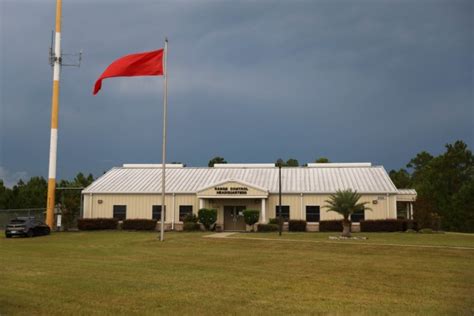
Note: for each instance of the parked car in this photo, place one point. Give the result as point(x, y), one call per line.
point(26, 226)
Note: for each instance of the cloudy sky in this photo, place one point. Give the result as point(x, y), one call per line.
point(251, 81)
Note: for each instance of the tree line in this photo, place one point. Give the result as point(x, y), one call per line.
point(32, 195)
point(445, 186)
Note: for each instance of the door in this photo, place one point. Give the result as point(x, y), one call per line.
point(234, 218)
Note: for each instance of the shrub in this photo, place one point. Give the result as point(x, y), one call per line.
point(297, 225)
point(191, 226)
point(207, 217)
point(191, 218)
point(97, 223)
point(139, 224)
point(435, 221)
point(251, 217)
point(267, 227)
point(273, 221)
point(330, 226)
point(384, 225)
point(426, 231)
point(410, 224)
point(387, 225)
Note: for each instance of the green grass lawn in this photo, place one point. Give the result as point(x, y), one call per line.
point(401, 238)
point(132, 273)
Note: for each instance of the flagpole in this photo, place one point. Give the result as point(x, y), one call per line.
point(163, 165)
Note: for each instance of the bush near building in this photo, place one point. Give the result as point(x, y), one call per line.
point(139, 224)
point(190, 223)
point(191, 218)
point(330, 226)
point(191, 227)
point(297, 225)
point(251, 217)
point(267, 227)
point(387, 225)
point(207, 217)
point(97, 223)
point(273, 221)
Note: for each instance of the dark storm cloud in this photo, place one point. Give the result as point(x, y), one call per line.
point(355, 81)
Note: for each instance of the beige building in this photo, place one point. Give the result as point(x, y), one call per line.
point(134, 191)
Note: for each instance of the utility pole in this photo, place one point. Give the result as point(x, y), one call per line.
point(53, 143)
point(55, 61)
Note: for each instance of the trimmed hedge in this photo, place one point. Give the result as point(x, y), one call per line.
point(97, 223)
point(191, 227)
point(139, 224)
point(190, 218)
point(207, 217)
point(273, 221)
point(410, 224)
point(297, 225)
point(251, 216)
point(387, 225)
point(330, 226)
point(267, 227)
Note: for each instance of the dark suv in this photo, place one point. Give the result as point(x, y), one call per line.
point(26, 226)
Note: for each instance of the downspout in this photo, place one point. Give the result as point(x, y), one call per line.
point(90, 205)
point(388, 207)
point(301, 207)
point(174, 211)
point(81, 206)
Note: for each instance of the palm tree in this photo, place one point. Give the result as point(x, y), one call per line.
point(345, 202)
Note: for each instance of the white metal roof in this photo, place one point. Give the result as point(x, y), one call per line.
point(407, 191)
point(339, 164)
point(244, 165)
point(152, 165)
point(364, 179)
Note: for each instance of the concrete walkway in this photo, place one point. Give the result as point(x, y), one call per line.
point(219, 235)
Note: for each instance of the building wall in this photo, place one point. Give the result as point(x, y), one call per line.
point(140, 205)
point(383, 209)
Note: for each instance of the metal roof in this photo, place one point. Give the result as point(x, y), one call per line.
point(338, 164)
point(373, 179)
point(407, 191)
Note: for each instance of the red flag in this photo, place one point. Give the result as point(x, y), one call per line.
point(141, 64)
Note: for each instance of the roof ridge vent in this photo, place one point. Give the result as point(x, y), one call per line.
point(244, 165)
point(340, 165)
point(152, 165)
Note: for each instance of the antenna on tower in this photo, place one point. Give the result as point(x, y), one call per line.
point(51, 52)
point(66, 59)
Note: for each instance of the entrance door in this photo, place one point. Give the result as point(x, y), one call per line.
point(233, 218)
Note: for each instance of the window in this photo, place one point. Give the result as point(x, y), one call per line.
point(358, 216)
point(156, 212)
point(185, 210)
point(285, 212)
point(120, 212)
point(312, 213)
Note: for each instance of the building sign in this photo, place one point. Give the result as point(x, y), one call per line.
point(233, 190)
